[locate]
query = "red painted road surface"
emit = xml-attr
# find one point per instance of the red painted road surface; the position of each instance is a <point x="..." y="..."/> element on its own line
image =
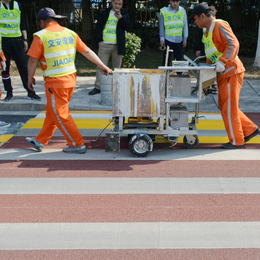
<point x="128" y="208"/>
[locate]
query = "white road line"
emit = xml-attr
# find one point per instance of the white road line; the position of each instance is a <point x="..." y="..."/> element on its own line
<point x="110" y="115"/>
<point x="161" y="235"/>
<point x="130" y="186"/>
<point x="82" y="116"/>
<point x="125" y="154"/>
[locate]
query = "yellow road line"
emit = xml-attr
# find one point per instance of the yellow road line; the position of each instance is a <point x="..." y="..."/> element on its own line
<point x="86" y="112"/>
<point x="81" y="123"/>
<point x="5" y="138"/>
<point x="37" y="123"/>
<point x="210" y="125"/>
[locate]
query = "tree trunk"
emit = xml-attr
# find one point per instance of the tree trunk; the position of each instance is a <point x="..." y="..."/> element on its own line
<point x="162" y="3"/>
<point x="87" y="22"/>
<point x="257" y="55"/>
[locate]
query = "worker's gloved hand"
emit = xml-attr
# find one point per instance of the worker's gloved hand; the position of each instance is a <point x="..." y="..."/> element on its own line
<point x="220" y="66"/>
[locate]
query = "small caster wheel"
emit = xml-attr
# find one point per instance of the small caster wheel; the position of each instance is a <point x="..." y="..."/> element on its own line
<point x="191" y="141"/>
<point x="140" y="145"/>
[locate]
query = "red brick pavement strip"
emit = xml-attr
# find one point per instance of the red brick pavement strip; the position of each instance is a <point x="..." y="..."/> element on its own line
<point x="134" y="254"/>
<point x="129" y="168"/>
<point x="129" y="208"/>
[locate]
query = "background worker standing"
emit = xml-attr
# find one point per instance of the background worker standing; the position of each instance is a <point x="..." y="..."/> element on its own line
<point x="221" y="48"/>
<point x="173" y="30"/>
<point x="55" y="46"/>
<point x="14" y="44"/>
<point x="111" y="28"/>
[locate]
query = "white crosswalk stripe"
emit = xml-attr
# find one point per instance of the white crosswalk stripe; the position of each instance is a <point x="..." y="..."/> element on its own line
<point x="171" y="201"/>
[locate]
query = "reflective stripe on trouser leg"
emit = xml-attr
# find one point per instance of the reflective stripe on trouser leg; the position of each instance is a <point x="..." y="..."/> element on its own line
<point x="229" y="115"/>
<point x="59" y="120"/>
<point x="237" y="124"/>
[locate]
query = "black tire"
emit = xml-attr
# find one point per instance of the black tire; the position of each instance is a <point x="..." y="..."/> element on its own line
<point x="140" y="145"/>
<point x="191" y="146"/>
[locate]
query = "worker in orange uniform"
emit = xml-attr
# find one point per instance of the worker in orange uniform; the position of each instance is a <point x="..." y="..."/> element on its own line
<point x="55" y="46"/>
<point x="2" y="60"/>
<point x="221" y="48"/>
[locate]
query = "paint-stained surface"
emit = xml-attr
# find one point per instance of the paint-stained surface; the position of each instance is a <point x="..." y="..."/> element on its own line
<point x="138" y="93"/>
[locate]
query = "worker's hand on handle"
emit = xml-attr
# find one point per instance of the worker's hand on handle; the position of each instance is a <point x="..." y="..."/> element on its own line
<point x="3" y="66"/>
<point x="106" y="70"/>
<point x="31" y="82"/>
<point x="162" y="43"/>
<point x="198" y="53"/>
<point x="220" y="66"/>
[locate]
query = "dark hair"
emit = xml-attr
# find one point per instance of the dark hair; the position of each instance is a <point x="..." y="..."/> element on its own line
<point x="213" y="4"/>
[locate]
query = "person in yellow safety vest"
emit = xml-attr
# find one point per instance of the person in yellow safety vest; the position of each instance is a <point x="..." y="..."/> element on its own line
<point x="173" y="30"/>
<point x="14" y="44"/>
<point x="222" y="47"/>
<point x="111" y="27"/>
<point x="55" y="46"/>
<point x="200" y="49"/>
<point x="2" y="62"/>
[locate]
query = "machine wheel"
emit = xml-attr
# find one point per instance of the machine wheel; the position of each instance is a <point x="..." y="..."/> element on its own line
<point x="191" y="144"/>
<point x="140" y="145"/>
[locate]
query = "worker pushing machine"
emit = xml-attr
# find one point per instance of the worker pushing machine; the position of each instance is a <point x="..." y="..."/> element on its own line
<point x="55" y="46"/>
<point x="221" y="48"/>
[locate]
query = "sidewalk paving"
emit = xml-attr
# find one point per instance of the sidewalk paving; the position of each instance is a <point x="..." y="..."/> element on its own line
<point x="249" y="97"/>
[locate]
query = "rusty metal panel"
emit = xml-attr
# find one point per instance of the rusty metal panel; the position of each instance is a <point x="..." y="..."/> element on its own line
<point x="138" y="93"/>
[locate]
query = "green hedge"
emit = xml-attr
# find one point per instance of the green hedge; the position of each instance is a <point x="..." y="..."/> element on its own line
<point x="149" y="36"/>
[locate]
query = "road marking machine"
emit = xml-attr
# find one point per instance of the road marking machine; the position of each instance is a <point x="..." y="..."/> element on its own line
<point x="148" y="103"/>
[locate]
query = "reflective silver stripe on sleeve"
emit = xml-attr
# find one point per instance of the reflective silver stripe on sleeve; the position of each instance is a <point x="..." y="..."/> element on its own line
<point x="230" y="43"/>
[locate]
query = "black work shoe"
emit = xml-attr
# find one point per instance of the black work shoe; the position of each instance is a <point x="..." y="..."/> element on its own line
<point x="249" y="137"/>
<point x="34" y="143"/>
<point x="94" y="91"/>
<point x="9" y="97"/>
<point x="231" y="146"/>
<point x="33" y="96"/>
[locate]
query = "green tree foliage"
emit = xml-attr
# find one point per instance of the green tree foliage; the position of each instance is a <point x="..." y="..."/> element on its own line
<point x="242" y="15"/>
<point x="133" y="47"/>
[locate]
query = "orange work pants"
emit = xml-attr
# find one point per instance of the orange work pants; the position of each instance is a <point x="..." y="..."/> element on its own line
<point x="58" y="115"/>
<point x="237" y="124"/>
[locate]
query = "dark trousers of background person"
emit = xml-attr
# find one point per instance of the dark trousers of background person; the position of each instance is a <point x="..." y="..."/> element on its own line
<point x="177" y="51"/>
<point x="14" y="48"/>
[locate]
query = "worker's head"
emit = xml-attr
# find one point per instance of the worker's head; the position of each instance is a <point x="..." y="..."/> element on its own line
<point x="6" y="1"/>
<point x="175" y="4"/>
<point x="214" y="8"/>
<point x="201" y="15"/>
<point x="46" y="15"/>
<point x="117" y="4"/>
